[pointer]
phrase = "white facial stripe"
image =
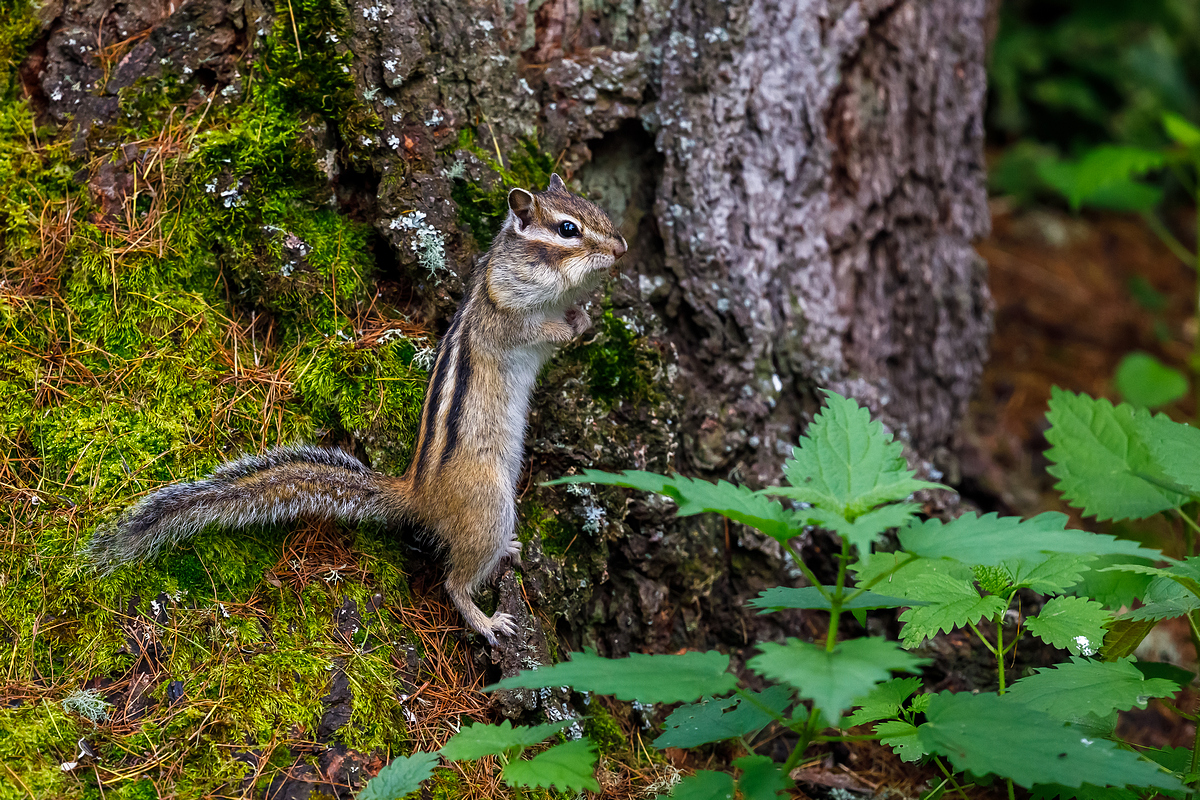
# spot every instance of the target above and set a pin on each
(536, 234)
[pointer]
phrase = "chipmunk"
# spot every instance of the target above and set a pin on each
(521, 302)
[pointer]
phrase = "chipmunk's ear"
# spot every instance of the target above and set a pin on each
(521, 203)
(556, 184)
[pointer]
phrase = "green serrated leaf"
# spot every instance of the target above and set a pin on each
(1050, 574)
(479, 740)
(884, 701)
(1182, 131)
(716, 720)
(1146, 382)
(902, 737)
(1112, 588)
(1071, 623)
(1168, 609)
(1099, 456)
(762, 778)
(833, 680)
(1185, 573)
(944, 585)
(987, 734)
(1164, 599)
(1175, 449)
(1176, 759)
(704, 785)
(778, 598)
(906, 576)
(865, 529)
(1073, 690)
(847, 463)
(567, 767)
(953, 603)
(991, 539)
(1169, 672)
(695, 496)
(680, 678)
(993, 579)
(399, 778)
(1123, 637)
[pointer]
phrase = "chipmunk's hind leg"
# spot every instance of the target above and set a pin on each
(473, 559)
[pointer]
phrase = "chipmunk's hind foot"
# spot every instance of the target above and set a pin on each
(502, 624)
(490, 628)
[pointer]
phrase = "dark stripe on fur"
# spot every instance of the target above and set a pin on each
(462, 379)
(288, 454)
(429, 413)
(277, 486)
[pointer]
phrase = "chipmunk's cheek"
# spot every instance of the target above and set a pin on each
(599, 262)
(577, 269)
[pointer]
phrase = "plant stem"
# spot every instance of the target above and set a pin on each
(1192, 527)
(867, 586)
(1173, 244)
(1195, 761)
(808, 573)
(806, 736)
(983, 639)
(1196, 341)
(950, 777)
(1000, 665)
(1011, 794)
(835, 602)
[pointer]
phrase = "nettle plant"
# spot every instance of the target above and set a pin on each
(1052, 731)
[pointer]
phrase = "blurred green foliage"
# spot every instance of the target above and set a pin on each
(1069, 75)
(1075, 73)
(1095, 103)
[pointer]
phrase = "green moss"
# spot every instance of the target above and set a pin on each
(303, 74)
(602, 729)
(444, 785)
(618, 363)
(364, 388)
(137, 790)
(536, 520)
(18, 30)
(127, 361)
(484, 208)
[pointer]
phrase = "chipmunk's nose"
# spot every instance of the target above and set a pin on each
(620, 247)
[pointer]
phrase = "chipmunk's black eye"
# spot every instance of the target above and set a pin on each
(568, 229)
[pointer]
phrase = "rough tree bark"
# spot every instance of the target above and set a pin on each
(800, 182)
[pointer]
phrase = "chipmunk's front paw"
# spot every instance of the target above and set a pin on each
(578, 319)
(514, 550)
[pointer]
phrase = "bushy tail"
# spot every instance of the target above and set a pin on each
(278, 486)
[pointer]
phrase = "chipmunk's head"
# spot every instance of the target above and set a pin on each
(557, 243)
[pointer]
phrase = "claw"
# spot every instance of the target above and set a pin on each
(514, 550)
(578, 319)
(503, 624)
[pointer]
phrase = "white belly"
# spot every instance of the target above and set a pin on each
(521, 369)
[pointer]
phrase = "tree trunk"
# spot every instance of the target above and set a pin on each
(800, 182)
